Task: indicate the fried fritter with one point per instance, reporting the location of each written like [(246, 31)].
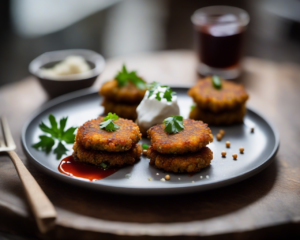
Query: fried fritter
[(125, 94), (90, 136), (122, 110), (230, 96), (222, 118), (190, 162), (113, 159), (195, 135)]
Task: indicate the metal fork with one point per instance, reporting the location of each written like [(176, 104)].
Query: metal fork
[(42, 208)]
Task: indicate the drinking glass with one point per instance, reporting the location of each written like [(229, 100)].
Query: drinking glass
[(219, 33)]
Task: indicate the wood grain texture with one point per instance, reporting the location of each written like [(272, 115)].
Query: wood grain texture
[(42, 208), (267, 202)]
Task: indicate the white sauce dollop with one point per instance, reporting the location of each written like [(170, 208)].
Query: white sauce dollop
[(152, 111), (69, 66)]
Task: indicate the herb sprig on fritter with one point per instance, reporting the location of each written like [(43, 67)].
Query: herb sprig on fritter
[(108, 123), (174, 124), (124, 76)]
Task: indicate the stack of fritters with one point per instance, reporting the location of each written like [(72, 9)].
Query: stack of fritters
[(184, 151), (95, 146), (122, 100), (218, 106)]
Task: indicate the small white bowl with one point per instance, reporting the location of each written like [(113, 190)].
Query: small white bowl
[(67, 83)]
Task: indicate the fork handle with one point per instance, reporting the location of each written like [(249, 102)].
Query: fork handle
[(43, 210)]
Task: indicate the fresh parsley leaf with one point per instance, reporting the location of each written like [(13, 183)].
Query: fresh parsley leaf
[(124, 76), (60, 150), (138, 82), (103, 165), (151, 91), (158, 96), (112, 116), (155, 87), (145, 146), (173, 124), (169, 94), (57, 133), (152, 87), (216, 81), (108, 123), (62, 124), (46, 143), (53, 122), (46, 129), (193, 107), (69, 136)]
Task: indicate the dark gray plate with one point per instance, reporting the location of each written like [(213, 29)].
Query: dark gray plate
[(260, 148)]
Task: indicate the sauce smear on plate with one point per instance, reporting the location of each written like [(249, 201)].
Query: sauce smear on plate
[(72, 168)]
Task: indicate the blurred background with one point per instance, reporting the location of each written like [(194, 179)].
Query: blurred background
[(121, 27)]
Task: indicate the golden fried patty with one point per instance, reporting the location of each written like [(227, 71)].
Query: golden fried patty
[(195, 135), (126, 94), (222, 118), (230, 96), (90, 136), (121, 109), (113, 159), (190, 162)]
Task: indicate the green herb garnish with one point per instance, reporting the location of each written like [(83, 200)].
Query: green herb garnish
[(60, 150), (145, 146), (56, 133), (103, 165), (108, 123), (158, 97), (169, 94), (216, 81), (154, 88), (174, 124), (124, 76), (193, 107), (46, 143)]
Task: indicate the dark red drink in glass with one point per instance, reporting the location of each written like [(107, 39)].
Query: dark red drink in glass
[(219, 33)]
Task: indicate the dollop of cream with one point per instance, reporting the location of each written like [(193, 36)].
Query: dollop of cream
[(69, 66), (152, 111)]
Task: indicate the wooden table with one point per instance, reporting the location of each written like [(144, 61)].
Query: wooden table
[(268, 203)]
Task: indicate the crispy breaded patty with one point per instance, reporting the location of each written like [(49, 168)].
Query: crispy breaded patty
[(113, 159), (230, 96), (126, 94), (90, 136), (190, 162), (121, 109), (192, 138), (222, 118)]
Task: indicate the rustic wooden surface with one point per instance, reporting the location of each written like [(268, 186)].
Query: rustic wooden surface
[(266, 203)]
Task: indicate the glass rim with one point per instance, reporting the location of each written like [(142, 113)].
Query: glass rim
[(200, 16)]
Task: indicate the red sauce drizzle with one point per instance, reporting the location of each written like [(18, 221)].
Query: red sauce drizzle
[(72, 168)]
